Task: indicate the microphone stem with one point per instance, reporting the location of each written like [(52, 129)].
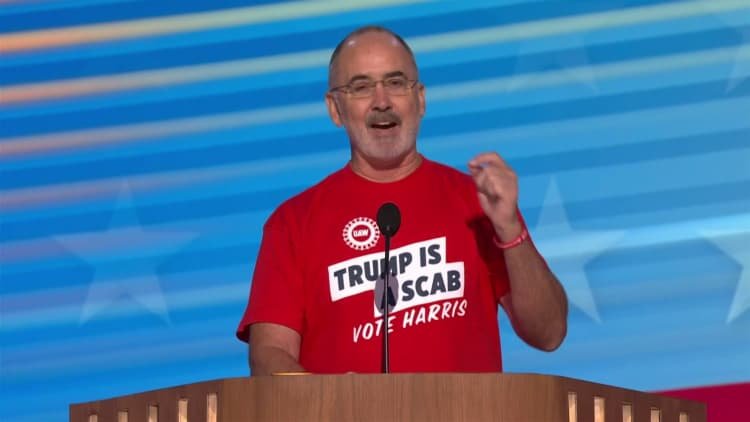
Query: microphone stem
[(386, 276)]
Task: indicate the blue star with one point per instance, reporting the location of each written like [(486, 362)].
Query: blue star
[(741, 68), (733, 18), (735, 243), (572, 63), (567, 251), (114, 279)]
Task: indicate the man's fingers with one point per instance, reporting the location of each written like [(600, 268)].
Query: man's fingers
[(475, 170), (487, 159), (487, 186), (493, 177)]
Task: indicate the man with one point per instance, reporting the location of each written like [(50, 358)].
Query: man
[(462, 247)]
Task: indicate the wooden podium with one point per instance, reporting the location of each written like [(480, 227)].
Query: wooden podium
[(393, 397)]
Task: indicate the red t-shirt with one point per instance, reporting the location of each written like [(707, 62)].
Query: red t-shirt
[(322, 252)]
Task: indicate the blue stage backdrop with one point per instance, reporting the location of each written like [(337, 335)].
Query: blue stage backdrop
[(144, 143)]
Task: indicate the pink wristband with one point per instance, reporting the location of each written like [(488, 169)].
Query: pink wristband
[(513, 243)]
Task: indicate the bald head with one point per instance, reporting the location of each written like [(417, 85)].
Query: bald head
[(350, 41)]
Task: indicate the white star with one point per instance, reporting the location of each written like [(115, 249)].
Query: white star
[(124, 259), (567, 251), (736, 244)]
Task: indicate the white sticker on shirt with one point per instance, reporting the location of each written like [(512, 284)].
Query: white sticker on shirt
[(422, 273)]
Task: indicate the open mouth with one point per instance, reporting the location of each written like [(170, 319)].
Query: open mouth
[(383, 125), (384, 122)]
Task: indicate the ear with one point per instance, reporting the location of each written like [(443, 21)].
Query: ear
[(333, 109), (422, 101)]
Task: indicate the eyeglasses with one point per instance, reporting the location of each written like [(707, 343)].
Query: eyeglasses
[(363, 88)]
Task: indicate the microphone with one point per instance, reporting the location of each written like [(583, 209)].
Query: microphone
[(389, 221)]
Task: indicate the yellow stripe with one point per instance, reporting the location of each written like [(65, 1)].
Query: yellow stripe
[(60, 194), (160, 78), (33, 144), (142, 131), (32, 40), (190, 74)]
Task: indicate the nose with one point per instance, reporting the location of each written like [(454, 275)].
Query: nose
[(380, 99)]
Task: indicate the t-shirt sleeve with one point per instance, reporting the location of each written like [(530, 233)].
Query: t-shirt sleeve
[(276, 290)]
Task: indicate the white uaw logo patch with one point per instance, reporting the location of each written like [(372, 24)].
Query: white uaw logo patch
[(361, 233)]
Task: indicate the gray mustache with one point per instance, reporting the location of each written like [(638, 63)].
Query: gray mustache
[(380, 116)]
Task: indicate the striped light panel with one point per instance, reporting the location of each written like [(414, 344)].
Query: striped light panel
[(144, 143)]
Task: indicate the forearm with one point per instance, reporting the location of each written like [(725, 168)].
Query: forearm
[(537, 305), (266, 360), (538, 301)]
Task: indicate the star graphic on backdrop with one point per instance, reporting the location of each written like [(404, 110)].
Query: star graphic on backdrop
[(567, 251), (736, 244), (741, 67), (572, 60), (124, 258)]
